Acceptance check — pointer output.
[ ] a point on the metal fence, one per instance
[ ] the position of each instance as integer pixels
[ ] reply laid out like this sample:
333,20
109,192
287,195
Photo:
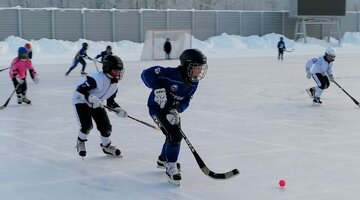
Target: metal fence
117,25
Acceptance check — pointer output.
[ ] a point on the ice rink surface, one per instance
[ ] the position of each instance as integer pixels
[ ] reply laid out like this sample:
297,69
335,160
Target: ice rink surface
250,113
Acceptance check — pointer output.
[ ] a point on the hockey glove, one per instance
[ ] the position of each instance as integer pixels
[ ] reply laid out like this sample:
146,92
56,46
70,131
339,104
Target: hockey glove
173,117
120,112
36,79
160,97
95,101
331,77
19,80
308,74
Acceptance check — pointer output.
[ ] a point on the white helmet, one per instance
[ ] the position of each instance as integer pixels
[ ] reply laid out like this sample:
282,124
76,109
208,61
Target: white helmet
330,52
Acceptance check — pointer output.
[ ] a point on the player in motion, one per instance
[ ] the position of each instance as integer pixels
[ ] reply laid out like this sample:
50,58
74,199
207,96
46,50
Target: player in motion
88,103
320,69
172,90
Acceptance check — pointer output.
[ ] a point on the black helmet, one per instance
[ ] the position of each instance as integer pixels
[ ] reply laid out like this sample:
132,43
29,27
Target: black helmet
108,47
85,45
113,62
189,59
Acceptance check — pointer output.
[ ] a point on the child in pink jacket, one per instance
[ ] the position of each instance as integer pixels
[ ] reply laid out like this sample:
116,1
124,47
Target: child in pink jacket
17,73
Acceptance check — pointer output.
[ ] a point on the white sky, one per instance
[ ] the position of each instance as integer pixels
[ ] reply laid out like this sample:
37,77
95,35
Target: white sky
250,112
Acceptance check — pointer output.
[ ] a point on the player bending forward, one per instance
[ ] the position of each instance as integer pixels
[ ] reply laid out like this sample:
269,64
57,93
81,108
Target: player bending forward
320,69
172,90
88,102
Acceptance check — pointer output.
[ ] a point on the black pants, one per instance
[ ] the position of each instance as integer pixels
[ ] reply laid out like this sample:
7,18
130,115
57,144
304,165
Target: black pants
281,54
85,116
22,88
322,81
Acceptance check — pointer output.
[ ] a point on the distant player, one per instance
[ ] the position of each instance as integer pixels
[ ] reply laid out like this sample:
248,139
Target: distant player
167,48
17,73
320,69
88,100
281,48
172,90
102,54
29,50
79,58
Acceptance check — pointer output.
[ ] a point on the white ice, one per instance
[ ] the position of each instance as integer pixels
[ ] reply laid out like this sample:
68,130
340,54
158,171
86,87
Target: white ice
251,112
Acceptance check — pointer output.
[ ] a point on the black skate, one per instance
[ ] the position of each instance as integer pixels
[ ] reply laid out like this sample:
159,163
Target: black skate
311,92
80,147
83,73
173,173
317,100
25,100
19,98
161,164
110,149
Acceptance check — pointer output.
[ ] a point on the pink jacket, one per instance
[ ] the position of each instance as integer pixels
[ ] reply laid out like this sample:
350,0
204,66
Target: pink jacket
19,67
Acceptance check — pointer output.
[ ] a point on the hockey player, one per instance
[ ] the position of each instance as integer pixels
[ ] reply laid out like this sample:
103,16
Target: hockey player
79,58
17,73
29,50
281,48
320,69
102,54
88,100
172,90
167,48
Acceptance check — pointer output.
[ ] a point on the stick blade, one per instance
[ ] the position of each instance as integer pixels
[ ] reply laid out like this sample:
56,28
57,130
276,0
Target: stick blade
220,176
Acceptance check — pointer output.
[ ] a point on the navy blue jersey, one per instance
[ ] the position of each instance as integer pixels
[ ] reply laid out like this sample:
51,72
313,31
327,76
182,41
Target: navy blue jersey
102,55
178,92
281,45
81,53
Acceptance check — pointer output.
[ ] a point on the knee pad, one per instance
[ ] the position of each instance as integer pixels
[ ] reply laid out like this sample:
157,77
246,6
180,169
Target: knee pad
105,133
175,137
86,129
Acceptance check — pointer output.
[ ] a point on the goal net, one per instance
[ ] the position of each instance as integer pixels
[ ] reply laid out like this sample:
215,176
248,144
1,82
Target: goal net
153,48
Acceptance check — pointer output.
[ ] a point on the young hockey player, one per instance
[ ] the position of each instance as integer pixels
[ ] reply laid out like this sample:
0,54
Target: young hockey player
29,50
320,69
79,58
88,100
172,90
17,73
281,48
102,54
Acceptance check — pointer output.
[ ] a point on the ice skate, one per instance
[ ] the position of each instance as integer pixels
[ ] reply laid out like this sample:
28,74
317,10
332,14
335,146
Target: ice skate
83,73
80,147
173,173
317,100
19,98
25,100
311,92
110,149
161,164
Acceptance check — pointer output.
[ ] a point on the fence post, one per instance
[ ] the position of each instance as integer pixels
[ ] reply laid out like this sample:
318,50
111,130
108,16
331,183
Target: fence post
52,24
19,22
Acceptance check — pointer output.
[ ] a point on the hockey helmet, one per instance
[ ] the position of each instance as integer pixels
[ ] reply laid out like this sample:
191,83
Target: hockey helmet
108,47
193,65
113,67
22,53
85,45
330,52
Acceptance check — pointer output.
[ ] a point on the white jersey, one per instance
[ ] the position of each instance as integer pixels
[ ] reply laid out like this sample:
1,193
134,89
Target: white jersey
319,65
104,89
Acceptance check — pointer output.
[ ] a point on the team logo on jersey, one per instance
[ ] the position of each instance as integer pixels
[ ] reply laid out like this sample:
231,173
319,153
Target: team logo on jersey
174,88
157,70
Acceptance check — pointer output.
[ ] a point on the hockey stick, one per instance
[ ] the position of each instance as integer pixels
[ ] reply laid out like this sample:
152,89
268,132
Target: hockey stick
97,69
289,50
133,118
203,166
4,69
352,98
8,100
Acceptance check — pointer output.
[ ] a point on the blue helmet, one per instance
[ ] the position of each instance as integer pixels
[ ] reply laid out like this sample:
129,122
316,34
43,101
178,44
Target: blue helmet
22,50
